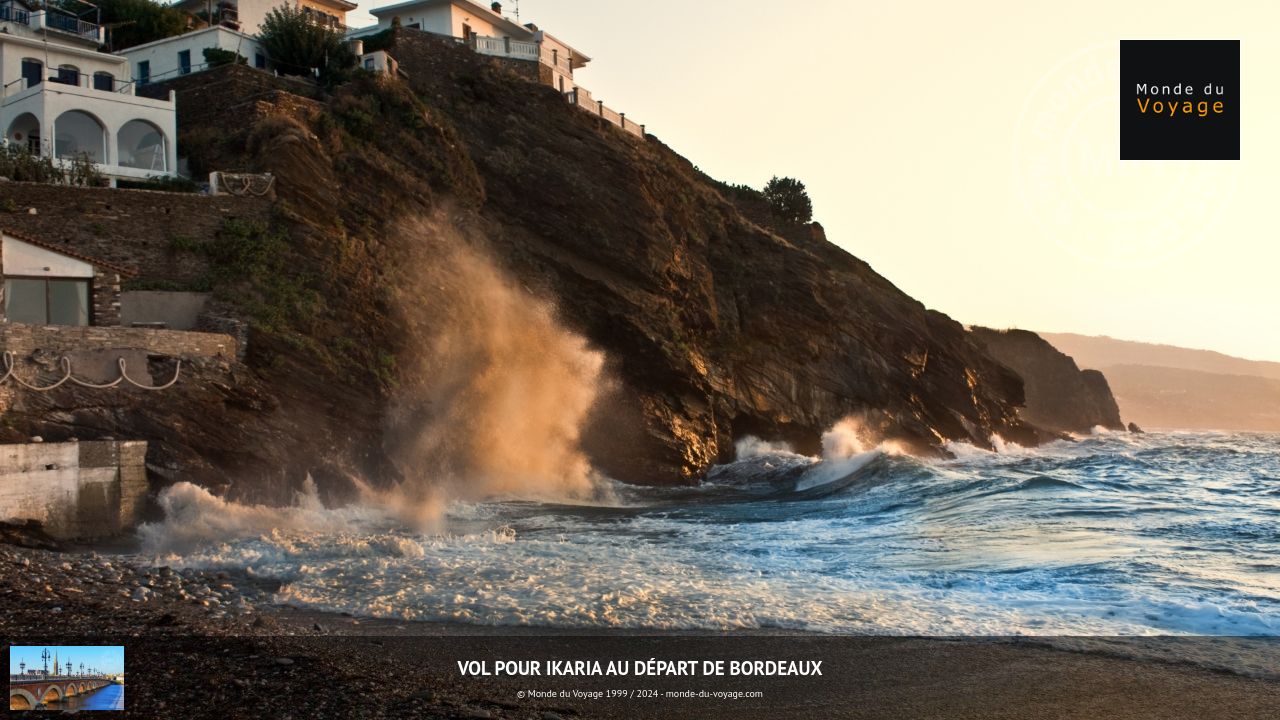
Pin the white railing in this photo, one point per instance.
(553, 59)
(532, 51)
(506, 47)
(581, 97)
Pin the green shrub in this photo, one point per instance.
(789, 200)
(136, 22)
(297, 46)
(217, 57)
(19, 163)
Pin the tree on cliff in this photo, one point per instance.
(135, 22)
(789, 200)
(298, 46)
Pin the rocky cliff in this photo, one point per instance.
(1060, 396)
(712, 321)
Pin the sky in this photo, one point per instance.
(106, 658)
(969, 151)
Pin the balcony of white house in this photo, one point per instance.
(531, 50)
(68, 114)
(61, 21)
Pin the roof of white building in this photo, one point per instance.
(215, 29)
(62, 47)
(197, 5)
(68, 252)
(493, 17)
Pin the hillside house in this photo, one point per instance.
(60, 97)
(234, 27)
(172, 57)
(45, 284)
(247, 15)
(488, 32)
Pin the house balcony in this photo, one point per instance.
(13, 13)
(123, 134)
(522, 50)
(70, 24)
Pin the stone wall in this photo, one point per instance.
(106, 298)
(141, 229)
(213, 92)
(177, 310)
(75, 490)
(24, 340)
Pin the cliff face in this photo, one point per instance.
(1060, 396)
(713, 322)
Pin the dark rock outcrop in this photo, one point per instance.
(716, 321)
(1060, 396)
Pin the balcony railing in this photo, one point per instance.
(9, 13)
(69, 24)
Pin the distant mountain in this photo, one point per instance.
(1103, 352)
(1163, 386)
(1160, 397)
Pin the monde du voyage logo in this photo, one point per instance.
(1179, 99)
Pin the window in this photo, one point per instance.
(144, 72)
(369, 64)
(32, 71)
(47, 301)
(184, 62)
(260, 61)
(104, 81)
(68, 75)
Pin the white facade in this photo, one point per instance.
(247, 15)
(379, 62)
(63, 98)
(184, 54)
(488, 32)
(456, 18)
(27, 260)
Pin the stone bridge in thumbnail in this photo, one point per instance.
(38, 691)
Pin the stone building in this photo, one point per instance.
(45, 284)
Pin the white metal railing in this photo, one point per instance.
(82, 80)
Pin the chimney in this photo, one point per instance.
(497, 7)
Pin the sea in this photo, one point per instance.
(1109, 534)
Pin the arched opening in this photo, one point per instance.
(104, 81)
(24, 131)
(52, 694)
(21, 700)
(76, 132)
(72, 690)
(139, 144)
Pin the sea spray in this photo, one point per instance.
(494, 391)
(491, 396)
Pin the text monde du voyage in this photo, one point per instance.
(1180, 100)
(638, 668)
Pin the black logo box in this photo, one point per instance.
(1194, 63)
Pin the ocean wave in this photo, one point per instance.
(1109, 535)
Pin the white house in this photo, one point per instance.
(61, 97)
(171, 57)
(247, 15)
(234, 27)
(488, 31)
